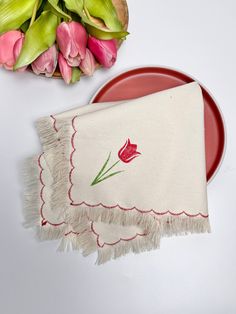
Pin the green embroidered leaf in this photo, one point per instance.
(103, 167)
(110, 175)
(13, 13)
(95, 28)
(76, 73)
(38, 38)
(103, 174)
(104, 10)
(54, 8)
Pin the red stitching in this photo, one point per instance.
(54, 123)
(114, 243)
(71, 159)
(117, 205)
(44, 220)
(141, 211)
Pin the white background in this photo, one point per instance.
(193, 274)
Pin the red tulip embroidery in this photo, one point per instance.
(126, 154)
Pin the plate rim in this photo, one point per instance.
(191, 77)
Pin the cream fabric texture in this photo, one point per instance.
(143, 192)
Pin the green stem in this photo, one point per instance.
(103, 174)
(104, 178)
(34, 12)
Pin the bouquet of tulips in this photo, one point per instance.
(72, 35)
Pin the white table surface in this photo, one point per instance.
(193, 274)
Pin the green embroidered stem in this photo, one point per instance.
(103, 167)
(109, 169)
(100, 177)
(110, 175)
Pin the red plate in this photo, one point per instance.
(143, 81)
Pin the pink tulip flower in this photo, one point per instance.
(46, 63)
(17, 49)
(65, 69)
(88, 64)
(105, 51)
(7, 43)
(72, 41)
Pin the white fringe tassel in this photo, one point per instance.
(32, 204)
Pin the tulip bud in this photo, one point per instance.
(72, 41)
(65, 69)
(105, 51)
(17, 49)
(88, 64)
(46, 63)
(69, 74)
(7, 43)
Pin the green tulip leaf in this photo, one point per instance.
(105, 35)
(13, 13)
(54, 8)
(38, 38)
(75, 6)
(76, 73)
(95, 29)
(104, 10)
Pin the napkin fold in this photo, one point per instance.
(116, 177)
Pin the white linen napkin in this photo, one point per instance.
(118, 177)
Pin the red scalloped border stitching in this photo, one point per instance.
(44, 220)
(54, 123)
(114, 243)
(71, 160)
(117, 205)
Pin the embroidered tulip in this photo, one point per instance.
(128, 152)
(88, 64)
(7, 43)
(65, 69)
(105, 51)
(72, 41)
(46, 63)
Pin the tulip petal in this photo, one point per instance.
(7, 42)
(64, 39)
(88, 64)
(17, 49)
(131, 158)
(79, 39)
(46, 63)
(72, 41)
(65, 69)
(105, 51)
